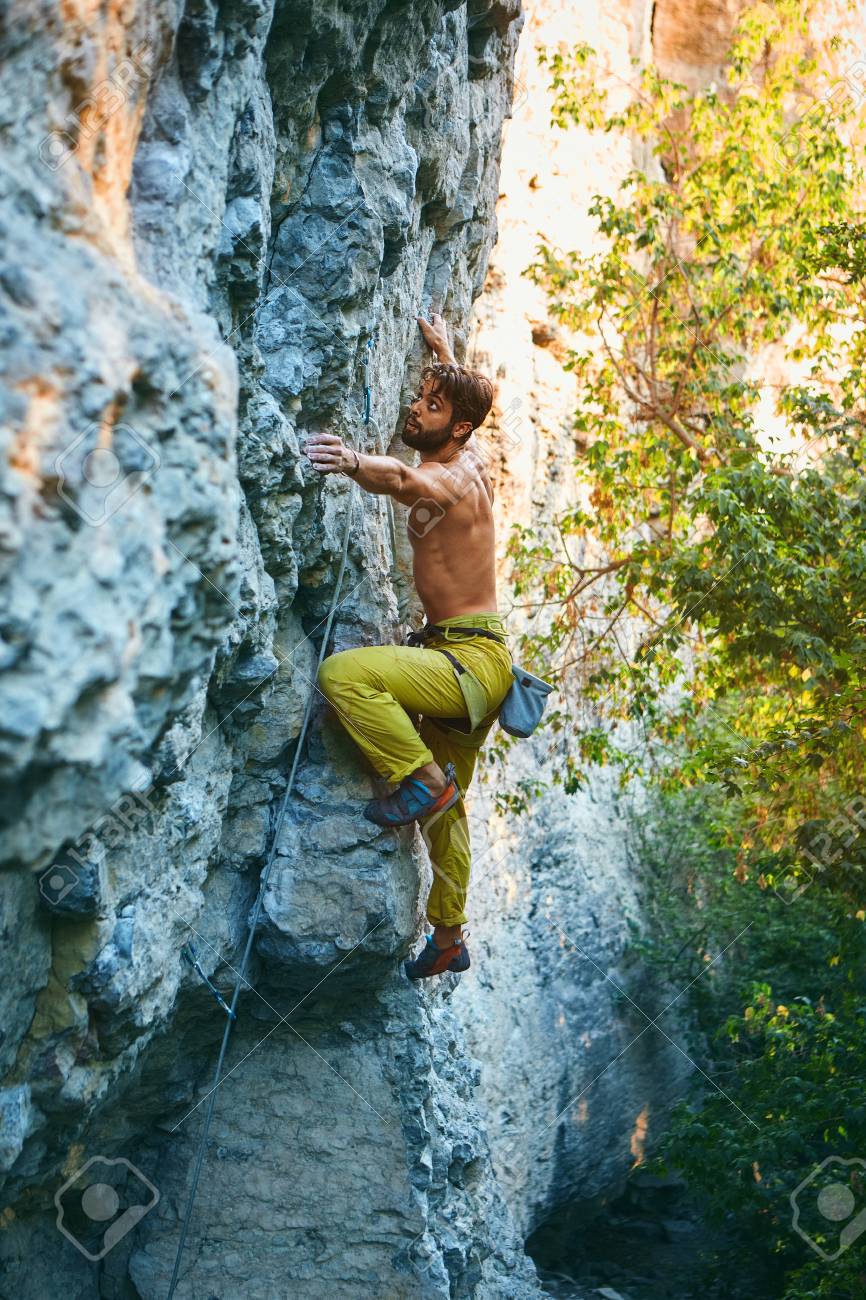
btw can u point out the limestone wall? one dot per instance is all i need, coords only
(209, 211)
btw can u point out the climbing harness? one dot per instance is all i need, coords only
(521, 709)
(231, 1010)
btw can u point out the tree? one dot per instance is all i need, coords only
(717, 570)
(710, 589)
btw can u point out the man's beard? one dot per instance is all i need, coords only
(420, 440)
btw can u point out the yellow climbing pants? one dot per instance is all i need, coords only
(376, 691)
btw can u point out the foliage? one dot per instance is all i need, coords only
(709, 591)
(783, 1063)
(716, 549)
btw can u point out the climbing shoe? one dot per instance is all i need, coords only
(435, 961)
(412, 801)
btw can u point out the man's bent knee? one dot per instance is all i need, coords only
(334, 672)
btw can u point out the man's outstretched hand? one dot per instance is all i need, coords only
(436, 337)
(327, 453)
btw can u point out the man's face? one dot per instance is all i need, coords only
(428, 425)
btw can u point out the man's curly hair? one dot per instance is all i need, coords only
(470, 394)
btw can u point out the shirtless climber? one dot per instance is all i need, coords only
(376, 689)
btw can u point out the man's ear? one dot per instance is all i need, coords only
(462, 431)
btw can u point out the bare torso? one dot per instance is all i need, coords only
(454, 557)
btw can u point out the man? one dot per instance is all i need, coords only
(374, 690)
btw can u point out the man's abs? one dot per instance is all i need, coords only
(454, 558)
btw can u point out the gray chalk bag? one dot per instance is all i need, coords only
(524, 704)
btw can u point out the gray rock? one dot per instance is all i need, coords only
(193, 280)
(71, 886)
(18, 1120)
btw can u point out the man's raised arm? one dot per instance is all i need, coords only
(408, 484)
(435, 335)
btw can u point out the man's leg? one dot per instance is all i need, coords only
(374, 689)
(447, 835)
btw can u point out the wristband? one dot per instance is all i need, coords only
(357, 465)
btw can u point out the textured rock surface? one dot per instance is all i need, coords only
(209, 214)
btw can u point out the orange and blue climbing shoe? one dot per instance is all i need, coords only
(432, 960)
(412, 801)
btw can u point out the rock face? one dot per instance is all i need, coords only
(214, 214)
(219, 222)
